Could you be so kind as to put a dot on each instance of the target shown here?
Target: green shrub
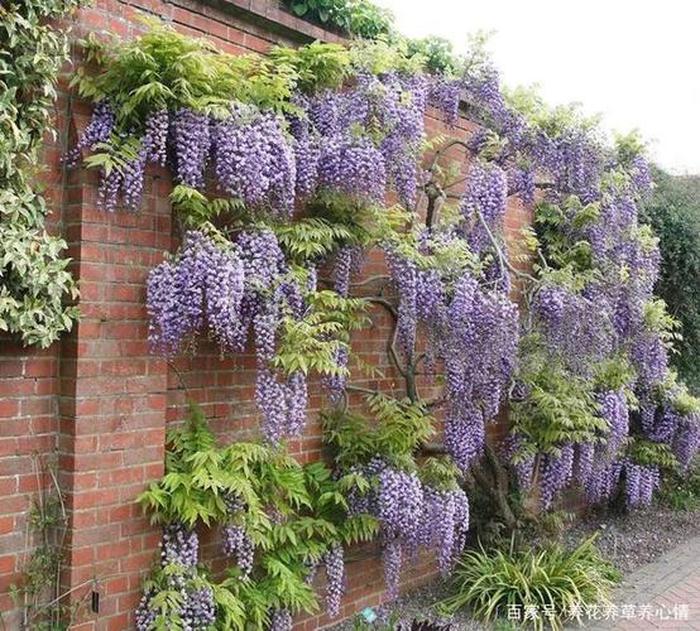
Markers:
(674, 214)
(682, 493)
(553, 584)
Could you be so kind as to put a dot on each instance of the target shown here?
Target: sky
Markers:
(636, 63)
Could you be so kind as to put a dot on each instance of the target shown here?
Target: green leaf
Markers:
(300, 8)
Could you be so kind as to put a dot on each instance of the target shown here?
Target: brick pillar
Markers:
(112, 408)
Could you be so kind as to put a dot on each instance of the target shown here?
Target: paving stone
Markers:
(668, 588)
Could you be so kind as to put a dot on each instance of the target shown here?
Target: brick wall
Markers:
(30, 397)
(97, 402)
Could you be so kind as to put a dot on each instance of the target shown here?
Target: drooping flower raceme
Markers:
(238, 544)
(354, 167)
(203, 284)
(191, 135)
(254, 161)
(484, 202)
(179, 556)
(98, 130)
(412, 515)
(229, 290)
(334, 561)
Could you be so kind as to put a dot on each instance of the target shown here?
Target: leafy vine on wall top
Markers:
(365, 20)
(283, 166)
(359, 18)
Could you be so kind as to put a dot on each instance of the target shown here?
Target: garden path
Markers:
(661, 595)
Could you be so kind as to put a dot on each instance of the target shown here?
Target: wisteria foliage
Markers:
(418, 507)
(279, 522)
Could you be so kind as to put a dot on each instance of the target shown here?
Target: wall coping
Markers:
(275, 18)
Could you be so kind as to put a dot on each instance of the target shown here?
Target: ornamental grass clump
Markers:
(540, 588)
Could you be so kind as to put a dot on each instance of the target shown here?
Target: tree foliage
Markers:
(360, 18)
(674, 213)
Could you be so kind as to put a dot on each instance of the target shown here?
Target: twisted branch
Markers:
(371, 279)
(505, 264)
(363, 390)
(391, 343)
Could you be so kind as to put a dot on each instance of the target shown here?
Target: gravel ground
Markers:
(629, 541)
(417, 605)
(633, 540)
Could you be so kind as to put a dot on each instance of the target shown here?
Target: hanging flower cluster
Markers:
(179, 557)
(201, 288)
(471, 328)
(253, 160)
(247, 152)
(231, 291)
(412, 515)
(483, 204)
(359, 140)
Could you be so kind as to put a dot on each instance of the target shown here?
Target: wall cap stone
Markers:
(275, 18)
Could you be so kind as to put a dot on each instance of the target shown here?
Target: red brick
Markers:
(9, 408)
(6, 524)
(40, 367)
(7, 564)
(119, 623)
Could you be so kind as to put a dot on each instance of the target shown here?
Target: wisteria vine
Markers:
(572, 341)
